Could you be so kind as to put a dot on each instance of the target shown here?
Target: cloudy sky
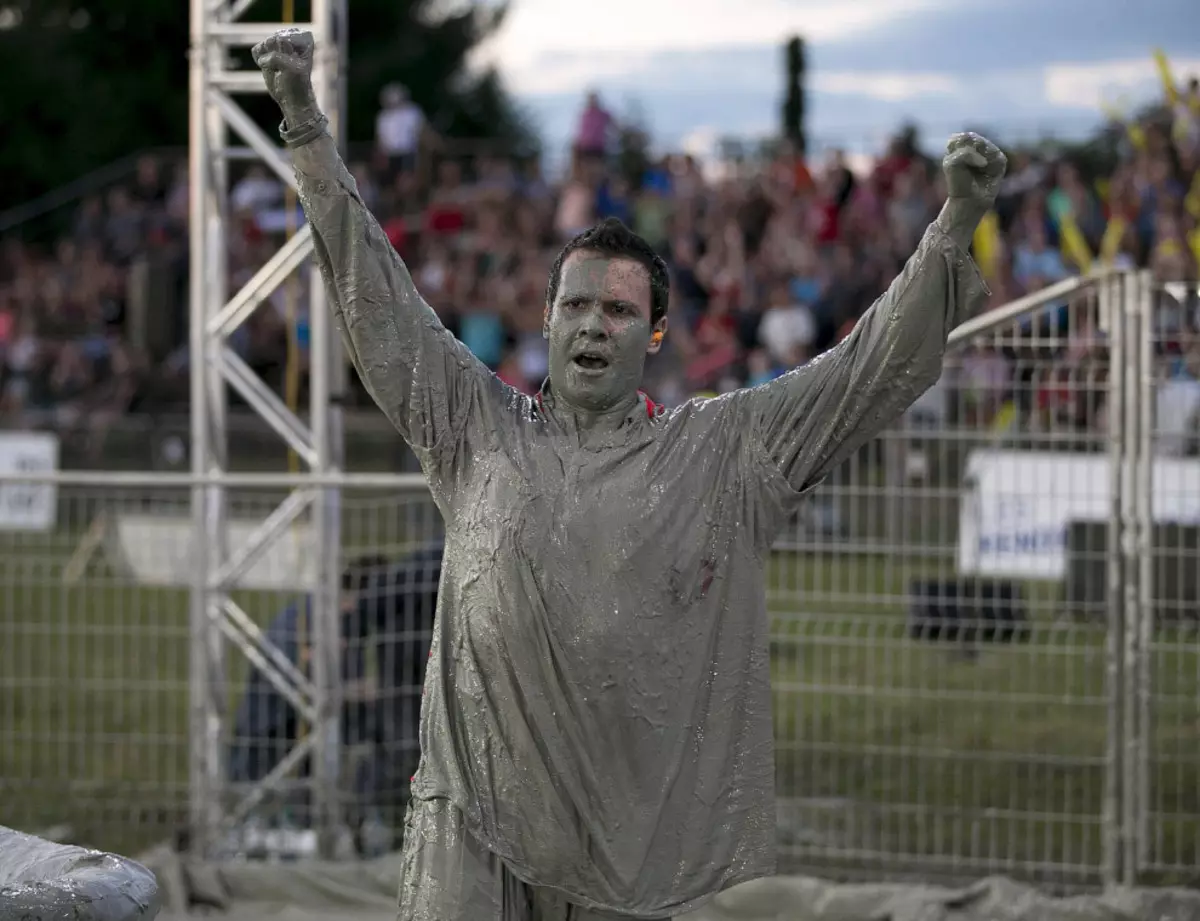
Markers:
(701, 68)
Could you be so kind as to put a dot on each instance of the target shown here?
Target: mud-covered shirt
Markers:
(598, 701)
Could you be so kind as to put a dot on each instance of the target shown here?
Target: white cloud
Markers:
(566, 45)
(887, 87)
(572, 73)
(1090, 86)
(701, 141)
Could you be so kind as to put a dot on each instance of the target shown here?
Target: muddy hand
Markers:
(286, 60)
(974, 167)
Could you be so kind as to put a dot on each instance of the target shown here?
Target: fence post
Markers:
(1136, 613)
(1112, 293)
(1143, 386)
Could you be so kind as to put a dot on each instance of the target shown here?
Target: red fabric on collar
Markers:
(652, 409)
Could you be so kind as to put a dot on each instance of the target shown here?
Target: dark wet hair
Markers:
(612, 238)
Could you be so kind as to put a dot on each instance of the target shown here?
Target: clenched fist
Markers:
(974, 167)
(286, 60)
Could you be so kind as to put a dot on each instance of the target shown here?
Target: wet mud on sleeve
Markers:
(425, 381)
(811, 419)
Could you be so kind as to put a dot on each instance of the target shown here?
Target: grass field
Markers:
(890, 752)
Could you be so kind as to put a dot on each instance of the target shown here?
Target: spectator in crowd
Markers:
(594, 134)
(399, 130)
(772, 264)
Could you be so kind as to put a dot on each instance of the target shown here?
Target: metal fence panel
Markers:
(93, 676)
(94, 661)
(941, 624)
(1167, 691)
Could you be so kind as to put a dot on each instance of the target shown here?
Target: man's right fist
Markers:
(286, 60)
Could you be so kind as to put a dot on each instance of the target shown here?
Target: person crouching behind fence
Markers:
(399, 609)
(267, 726)
(386, 624)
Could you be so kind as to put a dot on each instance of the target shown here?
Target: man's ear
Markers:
(657, 335)
(546, 322)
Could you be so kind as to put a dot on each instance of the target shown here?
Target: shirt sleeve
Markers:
(428, 384)
(809, 420)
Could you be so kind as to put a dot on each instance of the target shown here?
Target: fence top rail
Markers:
(1024, 306)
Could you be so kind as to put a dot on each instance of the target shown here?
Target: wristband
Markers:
(304, 132)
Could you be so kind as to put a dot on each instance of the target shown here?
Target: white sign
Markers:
(27, 506)
(158, 550)
(1017, 506)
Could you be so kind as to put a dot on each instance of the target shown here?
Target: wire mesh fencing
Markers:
(984, 649)
(96, 642)
(93, 672)
(1166, 693)
(942, 624)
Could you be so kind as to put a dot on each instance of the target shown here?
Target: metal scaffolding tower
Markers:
(216, 620)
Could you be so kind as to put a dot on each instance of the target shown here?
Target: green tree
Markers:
(793, 109)
(86, 85)
(89, 81)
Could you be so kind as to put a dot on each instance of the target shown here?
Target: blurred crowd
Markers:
(773, 260)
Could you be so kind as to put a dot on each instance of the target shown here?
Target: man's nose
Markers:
(594, 324)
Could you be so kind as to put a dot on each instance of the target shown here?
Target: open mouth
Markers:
(590, 361)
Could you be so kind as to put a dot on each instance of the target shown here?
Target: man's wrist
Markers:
(300, 111)
(302, 125)
(959, 218)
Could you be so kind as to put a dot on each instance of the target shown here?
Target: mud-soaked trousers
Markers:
(446, 875)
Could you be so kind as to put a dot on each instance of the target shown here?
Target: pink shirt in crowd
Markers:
(593, 129)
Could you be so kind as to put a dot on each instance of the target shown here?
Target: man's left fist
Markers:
(974, 167)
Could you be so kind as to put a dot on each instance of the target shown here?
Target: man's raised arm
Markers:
(422, 378)
(814, 417)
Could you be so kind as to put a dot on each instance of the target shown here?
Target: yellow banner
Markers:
(1137, 137)
(1110, 244)
(1074, 245)
(1170, 91)
(1192, 201)
(987, 245)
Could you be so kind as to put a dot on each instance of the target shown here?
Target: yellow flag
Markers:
(987, 245)
(1110, 244)
(1194, 243)
(1103, 187)
(1137, 137)
(1074, 246)
(1192, 202)
(1006, 418)
(1164, 74)
(1167, 248)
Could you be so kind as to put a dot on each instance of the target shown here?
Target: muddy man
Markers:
(596, 734)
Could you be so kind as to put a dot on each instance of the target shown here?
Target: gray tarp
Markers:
(43, 881)
(367, 892)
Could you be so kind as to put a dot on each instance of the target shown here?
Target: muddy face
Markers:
(600, 331)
